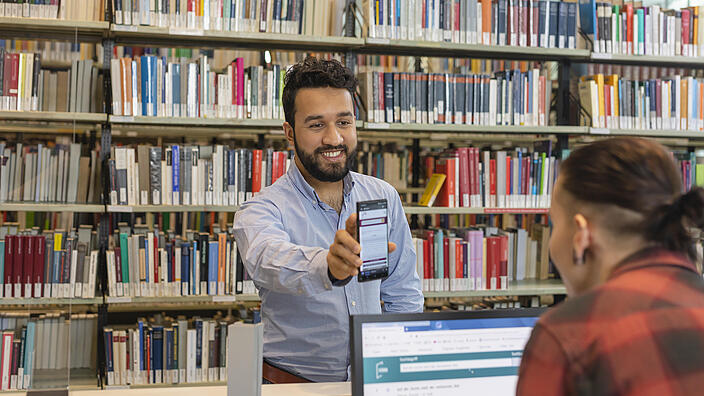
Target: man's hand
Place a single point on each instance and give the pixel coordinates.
(343, 256)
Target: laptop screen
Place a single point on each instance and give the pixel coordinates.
(446, 353)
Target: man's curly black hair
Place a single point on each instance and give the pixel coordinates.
(314, 73)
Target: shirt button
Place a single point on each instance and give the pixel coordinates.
(313, 202)
(354, 303)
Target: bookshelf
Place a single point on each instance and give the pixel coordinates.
(55, 29)
(515, 288)
(138, 126)
(49, 302)
(159, 36)
(54, 117)
(51, 207)
(456, 50)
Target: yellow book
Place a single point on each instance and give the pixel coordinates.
(432, 189)
(599, 78)
(613, 81)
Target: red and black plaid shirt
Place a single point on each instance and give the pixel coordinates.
(641, 333)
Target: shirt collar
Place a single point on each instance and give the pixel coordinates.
(651, 257)
(302, 185)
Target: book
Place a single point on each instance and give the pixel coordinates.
(432, 189)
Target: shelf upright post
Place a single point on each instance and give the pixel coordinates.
(104, 225)
(415, 181)
(563, 102)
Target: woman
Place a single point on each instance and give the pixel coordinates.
(634, 322)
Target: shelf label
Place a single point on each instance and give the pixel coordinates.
(597, 55)
(124, 28)
(121, 119)
(223, 298)
(186, 32)
(378, 125)
(600, 131)
(119, 209)
(119, 300)
(378, 41)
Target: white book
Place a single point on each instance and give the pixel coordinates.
(191, 356)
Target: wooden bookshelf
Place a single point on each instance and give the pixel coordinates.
(515, 288)
(645, 60)
(131, 304)
(456, 50)
(169, 208)
(52, 116)
(165, 37)
(51, 207)
(53, 29)
(665, 133)
(460, 128)
(442, 210)
(12, 301)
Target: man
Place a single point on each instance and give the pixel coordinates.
(297, 237)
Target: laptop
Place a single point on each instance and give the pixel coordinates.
(439, 353)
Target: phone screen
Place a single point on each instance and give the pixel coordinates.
(373, 235)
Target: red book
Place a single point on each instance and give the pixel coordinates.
(18, 272)
(426, 260)
(430, 237)
(240, 81)
(459, 260)
(472, 173)
(7, 72)
(256, 171)
(446, 258)
(381, 95)
(451, 182)
(607, 104)
(514, 23)
(629, 26)
(274, 167)
(191, 6)
(118, 264)
(14, 75)
(492, 181)
(443, 198)
(509, 174)
(429, 167)
(493, 258)
(536, 15)
(463, 153)
(39, 257)
(685, 30)
(28, 271)
(503, 263)
(524, 20)
(157, 260)
(9, 263)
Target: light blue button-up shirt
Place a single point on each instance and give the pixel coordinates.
(283, 235)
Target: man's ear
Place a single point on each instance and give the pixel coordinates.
(288, 131)
(582, 236)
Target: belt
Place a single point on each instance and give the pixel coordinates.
(276, 375)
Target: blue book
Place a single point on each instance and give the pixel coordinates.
(29, 354)
(562, 25)
(185, 268)
(170, 260)
(571, 25)
(147, 253)
(542, 18)
(109, 357)
(199, 343)
(176, 173)
(146, 85)
(439, 255)
(231, 181)
(140, 330)
(530, 94)
(194, 265)
(552, 29)
(519, 154)
(587, 16)
(158, 352)
(213, 268)
(465, 259)
(169, 345)
(150, 343)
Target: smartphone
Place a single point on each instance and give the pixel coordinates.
(373, 237)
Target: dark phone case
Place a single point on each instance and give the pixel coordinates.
(385, 273)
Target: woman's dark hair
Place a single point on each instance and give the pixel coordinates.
(639, 175)
(314, 73)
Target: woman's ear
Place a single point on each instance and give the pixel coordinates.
(582, 238)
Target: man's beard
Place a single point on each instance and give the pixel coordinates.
(331, 172)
